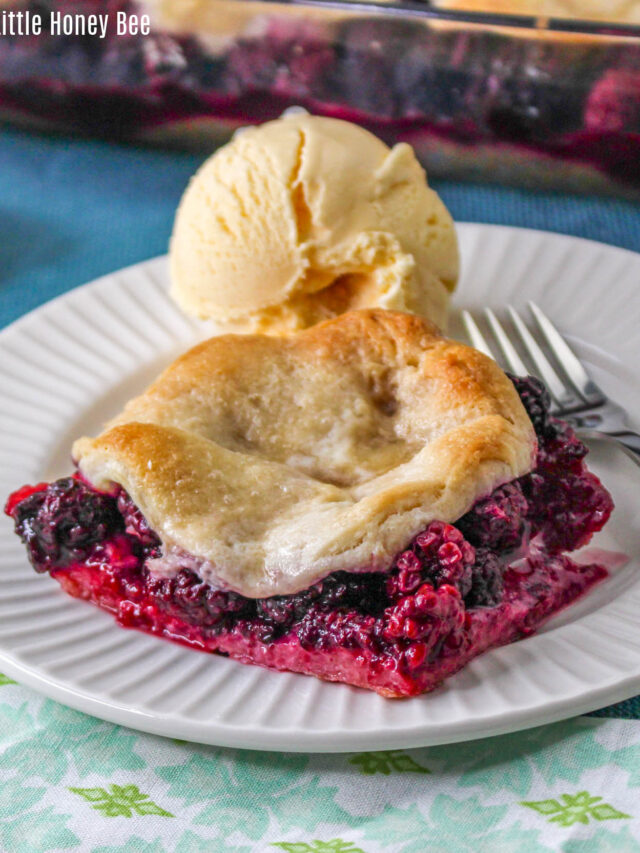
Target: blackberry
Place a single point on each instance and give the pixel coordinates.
(349, 630)
(498, 521)
(364, 594)
(486, 585)
(568, 508)
(534, 92)
(446, 556)
(536, 400)
(135, 524)
(291, 59)
(64, 522)
(369, 50)
(440, 76)
(188, 597)
(281, 611)
(419, 626)
(613, 105)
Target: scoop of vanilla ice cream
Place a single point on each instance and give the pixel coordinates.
(303, 218)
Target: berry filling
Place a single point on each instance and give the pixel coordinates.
(456, 590)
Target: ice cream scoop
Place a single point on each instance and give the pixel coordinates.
(303, 218)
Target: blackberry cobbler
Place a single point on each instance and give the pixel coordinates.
(417, 512)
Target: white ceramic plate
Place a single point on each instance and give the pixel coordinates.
(71, 364)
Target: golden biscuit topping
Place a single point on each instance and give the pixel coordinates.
(278, 460)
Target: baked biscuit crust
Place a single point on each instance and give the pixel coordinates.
(276, 461)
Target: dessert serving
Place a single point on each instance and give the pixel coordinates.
(364, 501)
(359, 499)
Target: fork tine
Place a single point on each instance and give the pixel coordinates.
(559, 391)
(514, 362)
(476, 337)
(585, 386)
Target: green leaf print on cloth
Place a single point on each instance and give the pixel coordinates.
(25, 830)
(4, 679)
(58, 738)
(336, 845)
(121, 801)
(576, 808)
(239, 788)
(386, 762)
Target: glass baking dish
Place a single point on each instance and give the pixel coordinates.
(507, 98)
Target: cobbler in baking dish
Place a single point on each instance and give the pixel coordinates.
(365, 501)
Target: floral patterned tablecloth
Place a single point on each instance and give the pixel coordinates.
(73, 210)
(71, 782)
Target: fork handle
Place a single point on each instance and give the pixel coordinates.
(629, 441)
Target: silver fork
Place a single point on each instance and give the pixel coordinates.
(579, 401)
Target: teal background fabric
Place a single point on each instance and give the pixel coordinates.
(72, 210)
